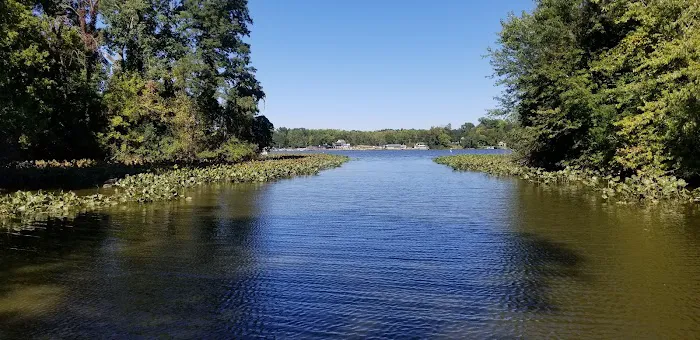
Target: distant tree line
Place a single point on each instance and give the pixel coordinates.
(489, 132)
(127, 80)
(612, 85)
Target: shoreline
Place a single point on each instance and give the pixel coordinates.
(636, 188)
(21, 208)
(376, 149)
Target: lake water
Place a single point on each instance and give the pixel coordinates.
(391, 245)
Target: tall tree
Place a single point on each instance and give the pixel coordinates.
(185, 49)
(219, 72)
(48, 107)
(609, 84)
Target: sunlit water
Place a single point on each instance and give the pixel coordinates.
(390, 245)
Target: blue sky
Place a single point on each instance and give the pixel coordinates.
(375, 64)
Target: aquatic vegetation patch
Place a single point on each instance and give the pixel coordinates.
(66, 175)
(23, 207)
(635, 188)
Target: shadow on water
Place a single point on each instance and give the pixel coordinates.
(533, 265)
(539, 257)
(183, 270)
(55, 236)
(31, 261)
(359, 252)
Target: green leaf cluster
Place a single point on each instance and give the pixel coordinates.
(638, 188)
(127, 80)
(610, 85)
(48, 106)
(21, 208)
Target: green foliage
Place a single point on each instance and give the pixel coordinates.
(489, 132)
(443, 140)
(501, 165)
(231, 151)
(640, 187)
(656, 70)
(160, 80)
(144, 126)
(21, 208)
(48, 109)
(262, 130)
(610, 85)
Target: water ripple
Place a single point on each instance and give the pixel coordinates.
(391, 245)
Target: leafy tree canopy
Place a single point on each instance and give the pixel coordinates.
(132, 80)
(605, 84)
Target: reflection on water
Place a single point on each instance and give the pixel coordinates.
(390, 245)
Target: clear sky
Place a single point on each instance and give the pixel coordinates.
(375, 64)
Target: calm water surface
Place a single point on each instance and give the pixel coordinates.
(391, 245)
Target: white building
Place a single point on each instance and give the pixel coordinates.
(341, 144)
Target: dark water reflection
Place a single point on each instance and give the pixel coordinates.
(390, 245)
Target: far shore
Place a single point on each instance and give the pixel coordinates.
(377, 148)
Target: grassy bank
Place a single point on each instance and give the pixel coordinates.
(636, 188)
(23, 207)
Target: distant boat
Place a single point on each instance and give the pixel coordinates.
(450, 150)
(421, 146)
(395, 147)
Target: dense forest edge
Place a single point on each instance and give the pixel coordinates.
(128, 81)
(488, 132)
(610, 86)
(605, 92)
